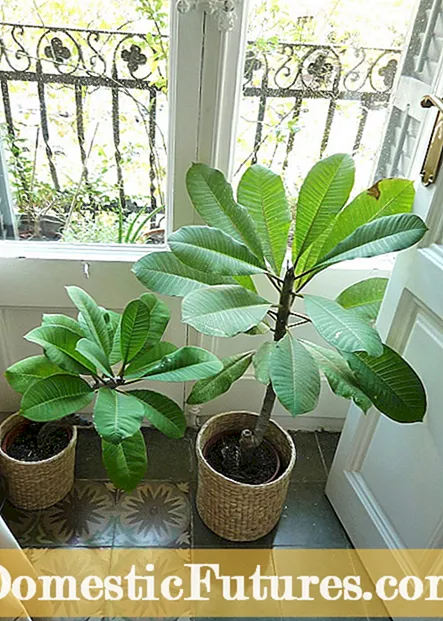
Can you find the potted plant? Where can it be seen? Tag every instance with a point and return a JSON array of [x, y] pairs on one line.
[[245, 460], [98, 356]]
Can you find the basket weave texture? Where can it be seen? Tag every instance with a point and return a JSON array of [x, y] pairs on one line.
[[233, 510], [38, 484]]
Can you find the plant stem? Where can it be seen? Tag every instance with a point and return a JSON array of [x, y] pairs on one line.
[[284, 311]]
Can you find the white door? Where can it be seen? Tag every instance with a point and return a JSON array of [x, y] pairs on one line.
[[386, 482]]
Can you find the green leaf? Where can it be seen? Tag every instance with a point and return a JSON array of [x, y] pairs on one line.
[[26, 372], [262, 360], [339, 375], [184, 365], [262, 193], [93, 317], [364, 298], [159, 316], [164, 273], [117, 415], [233, 368], [63, 321], [116, 353], [60, 347], [91, 351], [391, 384], [384, 235], [134, 329], [295, 377], [211, 250], [247, 282], [125, 462], [386, 198], [225, 310], [147, 357], [323, 193], [213, 198], [342, 328], [54, 397], [162, 412]]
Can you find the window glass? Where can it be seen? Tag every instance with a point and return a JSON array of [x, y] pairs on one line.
[[84, 119], [318, 79]]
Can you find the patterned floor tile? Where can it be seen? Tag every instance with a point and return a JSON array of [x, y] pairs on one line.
[[155, 514], [23, 524]]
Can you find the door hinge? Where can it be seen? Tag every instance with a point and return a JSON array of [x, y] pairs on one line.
[[434, 151]]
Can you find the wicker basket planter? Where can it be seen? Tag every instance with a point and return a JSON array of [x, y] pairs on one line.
[[37, 484], [237, 511]]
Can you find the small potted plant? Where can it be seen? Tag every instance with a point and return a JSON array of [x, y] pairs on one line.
[[245, 460], [98, 356]]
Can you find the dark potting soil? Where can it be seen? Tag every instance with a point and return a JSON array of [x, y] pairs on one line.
[[33, 443], [224, 456]]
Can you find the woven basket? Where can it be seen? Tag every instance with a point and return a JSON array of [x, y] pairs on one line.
[[238, 511], [37, 484]]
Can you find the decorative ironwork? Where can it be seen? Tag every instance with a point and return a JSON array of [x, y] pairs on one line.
[[83, 61], [224, 11], [303, 71]]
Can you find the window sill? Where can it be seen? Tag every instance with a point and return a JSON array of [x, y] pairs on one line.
[[115, 253]]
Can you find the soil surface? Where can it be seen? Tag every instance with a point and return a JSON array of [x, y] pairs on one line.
[[224, 456], [35, 443]]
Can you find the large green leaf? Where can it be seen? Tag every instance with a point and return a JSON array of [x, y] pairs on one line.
[[134, 329], [117, 415], [295, 377], [225, 310], [159, 316], [147, 357], [185, 365], [63, 321], [213, 198], [92, 315], [261, 362], [116, 352], [323, 193], [54, 397], [94, 353], [26, 372], [364, 298], [262, 193], [386, 198], [164, 273], [125, 462], [211, 250], [233, 368], [247, 282], [162, 412], [339, 375], [381, 236], [342, 328], [391, 384], [60, 347]]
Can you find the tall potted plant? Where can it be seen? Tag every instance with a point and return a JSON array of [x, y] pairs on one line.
[[98, 356], [245, 460]]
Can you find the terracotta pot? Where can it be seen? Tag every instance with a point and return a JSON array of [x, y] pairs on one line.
[[35, 485], [238, 511]]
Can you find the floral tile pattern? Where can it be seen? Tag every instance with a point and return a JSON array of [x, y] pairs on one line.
[[85, 517], [156, 514]]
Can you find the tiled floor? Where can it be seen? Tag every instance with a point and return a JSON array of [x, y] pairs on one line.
[[161, 511]]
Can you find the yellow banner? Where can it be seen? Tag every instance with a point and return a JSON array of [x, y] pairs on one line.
[[80, 582]]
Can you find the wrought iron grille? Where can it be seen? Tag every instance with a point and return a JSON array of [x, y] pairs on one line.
[[299, 72], [85, 60]]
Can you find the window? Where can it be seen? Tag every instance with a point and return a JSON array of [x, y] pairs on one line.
[[318, 79], [85, 119], [105, 105]]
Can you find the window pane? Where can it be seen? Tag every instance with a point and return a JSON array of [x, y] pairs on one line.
[[318, 78], [85, 118]]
